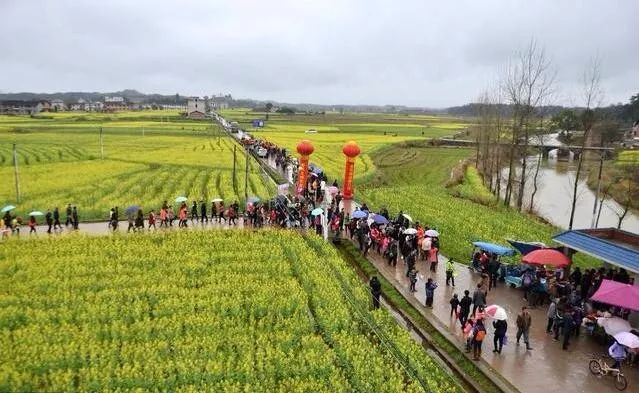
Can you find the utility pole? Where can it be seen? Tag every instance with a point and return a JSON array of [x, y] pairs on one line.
[[15, 167], [246, 173], [142, 131], [101, 145], [594, 208], [234, 165]]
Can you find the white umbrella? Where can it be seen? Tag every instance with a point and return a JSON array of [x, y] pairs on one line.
[[180, 199], [409, 218], [410, 231], [217, 200], [627, 339], [496, 312], [36, 213], [431, 233], [614, 325]]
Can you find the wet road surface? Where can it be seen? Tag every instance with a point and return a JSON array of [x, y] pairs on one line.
[[546, 368]]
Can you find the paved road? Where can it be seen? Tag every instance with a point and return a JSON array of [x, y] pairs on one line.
[[547, 368], [101, 228]]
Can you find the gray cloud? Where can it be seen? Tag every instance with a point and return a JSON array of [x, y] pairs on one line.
[[377, 52]]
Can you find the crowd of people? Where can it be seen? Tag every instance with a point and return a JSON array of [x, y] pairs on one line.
[[11, 223]]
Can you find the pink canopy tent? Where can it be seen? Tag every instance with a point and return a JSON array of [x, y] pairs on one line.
[[618, 294]]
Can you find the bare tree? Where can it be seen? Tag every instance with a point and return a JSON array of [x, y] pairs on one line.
[[528, 82], [540, 140], [592, 98]]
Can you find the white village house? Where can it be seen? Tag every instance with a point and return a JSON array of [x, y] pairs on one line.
[[196, 108]]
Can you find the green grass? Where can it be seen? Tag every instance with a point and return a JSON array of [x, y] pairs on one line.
[[472, 188]]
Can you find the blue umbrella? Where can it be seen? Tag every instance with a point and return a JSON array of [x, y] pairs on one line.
[[317, 211], [7, 208], [253, 199], [131, 210], [379, 219], [359, 214], [181, 199]]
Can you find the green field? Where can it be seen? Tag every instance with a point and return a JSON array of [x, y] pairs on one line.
[[370, 131], [149, 157], [191, 312], [410, 176]]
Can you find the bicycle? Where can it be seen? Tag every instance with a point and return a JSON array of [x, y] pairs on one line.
[[599, 367]]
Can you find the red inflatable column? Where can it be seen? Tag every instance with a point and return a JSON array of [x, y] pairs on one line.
[[350, 150], [305, 149]]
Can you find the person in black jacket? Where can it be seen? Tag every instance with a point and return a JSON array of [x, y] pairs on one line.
[[376, 291], [56, 219], [500, 334], [49, 220], [464, 307], [203, 216]]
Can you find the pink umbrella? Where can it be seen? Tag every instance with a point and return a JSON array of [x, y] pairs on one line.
[[546, 256], [333, 190], [618, 294]]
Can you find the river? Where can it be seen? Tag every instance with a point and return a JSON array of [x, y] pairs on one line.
[[554, 195]]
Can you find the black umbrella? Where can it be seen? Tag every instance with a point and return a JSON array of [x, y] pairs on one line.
[[131, 210]]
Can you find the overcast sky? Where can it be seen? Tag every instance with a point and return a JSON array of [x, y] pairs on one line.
[[408, 52]]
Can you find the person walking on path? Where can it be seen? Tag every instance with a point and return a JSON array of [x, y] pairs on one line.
[[479, 298], [500, 334], [569, 326], [171, 215], [479, 333], [203, 216], [49, 220], [75, 219], [550, 314], [182, 216], [493, 273], [433, 258], [152, 219], [32, 224], [68, 218], [194, 216], [56, 219], [464, 307], [139, 221], [450, 272], [430, 292], [454, 303], [523, 326], [412, 276], [376, 291]]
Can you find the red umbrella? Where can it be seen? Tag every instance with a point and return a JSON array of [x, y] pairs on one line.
[[546, 256]]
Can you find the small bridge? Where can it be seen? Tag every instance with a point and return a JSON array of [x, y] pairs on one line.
[[545, 149]]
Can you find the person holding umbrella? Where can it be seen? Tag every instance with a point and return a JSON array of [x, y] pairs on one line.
[[501, 326]]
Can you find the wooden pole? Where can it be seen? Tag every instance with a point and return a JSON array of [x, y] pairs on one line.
[[246, 171], [234, 165], [101, 145], [15, 167]]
